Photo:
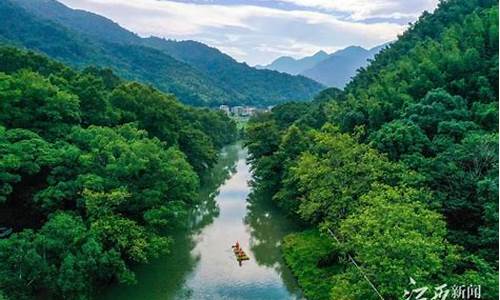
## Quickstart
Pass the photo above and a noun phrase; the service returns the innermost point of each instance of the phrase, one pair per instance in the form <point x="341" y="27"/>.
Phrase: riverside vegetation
<point x="93" y="171"/>
<point x="401" y="166"/>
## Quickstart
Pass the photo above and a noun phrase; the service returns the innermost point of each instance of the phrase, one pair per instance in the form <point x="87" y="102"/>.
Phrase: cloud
<point x="251" y="33"/>
<point x="367" y="9"/>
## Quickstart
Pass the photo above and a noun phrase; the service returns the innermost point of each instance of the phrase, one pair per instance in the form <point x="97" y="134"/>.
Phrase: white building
<point x="225" y="109"/>
<point x="249" y="111"/>
<point x="237" y="110"/>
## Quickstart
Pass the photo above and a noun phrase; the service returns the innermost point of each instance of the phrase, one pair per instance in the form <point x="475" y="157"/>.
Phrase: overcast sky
<point x="258" y="31"/>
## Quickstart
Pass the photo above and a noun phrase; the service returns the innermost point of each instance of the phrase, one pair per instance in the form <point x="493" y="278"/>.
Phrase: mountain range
<point x="294" y="66"/>
<point x="196" y="73"/>
<point x="332" y="70"/>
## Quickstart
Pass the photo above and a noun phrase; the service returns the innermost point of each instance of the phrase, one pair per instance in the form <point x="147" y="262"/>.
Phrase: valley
<point x="142" y="157"/>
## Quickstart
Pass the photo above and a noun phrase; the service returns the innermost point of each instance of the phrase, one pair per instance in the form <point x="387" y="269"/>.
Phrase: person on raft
<point x="238" y="251"/>
<point x="237" y="246"/>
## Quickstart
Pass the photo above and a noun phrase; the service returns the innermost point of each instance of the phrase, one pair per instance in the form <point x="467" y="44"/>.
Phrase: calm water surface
<point x="201" y="264"/>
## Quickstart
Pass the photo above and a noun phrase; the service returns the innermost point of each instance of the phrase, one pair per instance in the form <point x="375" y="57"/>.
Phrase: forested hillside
<point x="195" y="73"/>
<point x="94" y="170"/>
<point x="23" y="29"/>
<point x="401" y="167"/>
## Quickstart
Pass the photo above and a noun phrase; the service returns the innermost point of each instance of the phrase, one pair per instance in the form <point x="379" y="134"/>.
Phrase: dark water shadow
<point x="268" y="225"/>
<point x="164" y="278"/>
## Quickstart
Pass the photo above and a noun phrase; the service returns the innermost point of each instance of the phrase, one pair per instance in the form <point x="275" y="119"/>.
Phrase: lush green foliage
<point x="302" y="252"/>
<point x="392" y="227"/>
<point x="93" y="171"/>
<point x="195" y="73"/>
<point x="402" y="166"/>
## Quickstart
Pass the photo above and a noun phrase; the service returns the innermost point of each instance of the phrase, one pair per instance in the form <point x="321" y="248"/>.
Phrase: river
<point x="201" y="264"/>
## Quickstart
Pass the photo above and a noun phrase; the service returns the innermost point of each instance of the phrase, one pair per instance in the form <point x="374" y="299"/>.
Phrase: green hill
<point x="401" y="167"/>
<point x="194" y="72"/>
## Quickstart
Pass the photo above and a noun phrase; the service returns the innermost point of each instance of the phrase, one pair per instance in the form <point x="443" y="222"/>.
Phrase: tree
<point x="198" y="148"/>
<point x="470" y="183"/>
<point x="31" y="102"/>
<point x="92" y="93"/>
<point x="393" y="237"/>
<point x="399" y="138"/>
<point x="336" y="171"/>
<point x="155" y="112"/>
<point x="421" y="117"/>
<point x="23" y="270"/>
<point x="86" y="200"/>
<point x="293" y="144"/>
<point x="437" y="106"/>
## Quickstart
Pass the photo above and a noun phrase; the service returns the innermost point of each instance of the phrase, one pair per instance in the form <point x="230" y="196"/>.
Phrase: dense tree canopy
<point x="93" y="171"/>
<point x="402" y="166"/>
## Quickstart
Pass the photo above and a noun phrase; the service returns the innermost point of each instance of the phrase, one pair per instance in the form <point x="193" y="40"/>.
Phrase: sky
<point x="259" y="31"/>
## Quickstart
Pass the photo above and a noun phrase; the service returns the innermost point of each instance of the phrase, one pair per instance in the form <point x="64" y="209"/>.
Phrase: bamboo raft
<point x="240" y="254"/>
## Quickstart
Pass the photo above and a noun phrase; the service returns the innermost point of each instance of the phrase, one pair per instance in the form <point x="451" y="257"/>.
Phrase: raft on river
<point x="239" y="253"/>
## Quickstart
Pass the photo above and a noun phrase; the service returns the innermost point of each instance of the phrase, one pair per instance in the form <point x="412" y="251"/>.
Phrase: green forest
<point x="195" y="73"/>
<point x="399" y="171"/>
<point x="94" y="172"/>
<point x="112" y="157"/>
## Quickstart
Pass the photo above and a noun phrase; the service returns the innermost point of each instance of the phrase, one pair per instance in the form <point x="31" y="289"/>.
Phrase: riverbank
<point x="201" y="264"/>
<point x="307" y="254"/>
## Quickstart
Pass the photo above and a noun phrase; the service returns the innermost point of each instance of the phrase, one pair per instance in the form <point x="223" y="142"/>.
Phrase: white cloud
<point x="247" y="32"/>
<point x="365" y="9"/>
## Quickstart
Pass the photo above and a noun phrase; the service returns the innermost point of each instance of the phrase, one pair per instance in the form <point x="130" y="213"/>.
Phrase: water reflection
<point x="164" y="278"/>
<point x="202" y="265"/>
<point x="268" y="225"/>
<point x="211" y="181"/>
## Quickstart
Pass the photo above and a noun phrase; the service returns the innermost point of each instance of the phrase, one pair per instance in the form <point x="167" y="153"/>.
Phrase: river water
<point x="201" y="264"/>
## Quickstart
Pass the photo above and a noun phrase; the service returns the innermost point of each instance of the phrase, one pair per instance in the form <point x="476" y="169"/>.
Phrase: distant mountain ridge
<point x="294" y="66"/>
<point x="332" y="70"/>
<point x="196" y="73"/>
<point x="338" y="69"/>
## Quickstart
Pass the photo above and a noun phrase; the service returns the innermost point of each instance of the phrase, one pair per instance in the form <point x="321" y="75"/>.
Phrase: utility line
<point x="357" y="266"/>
